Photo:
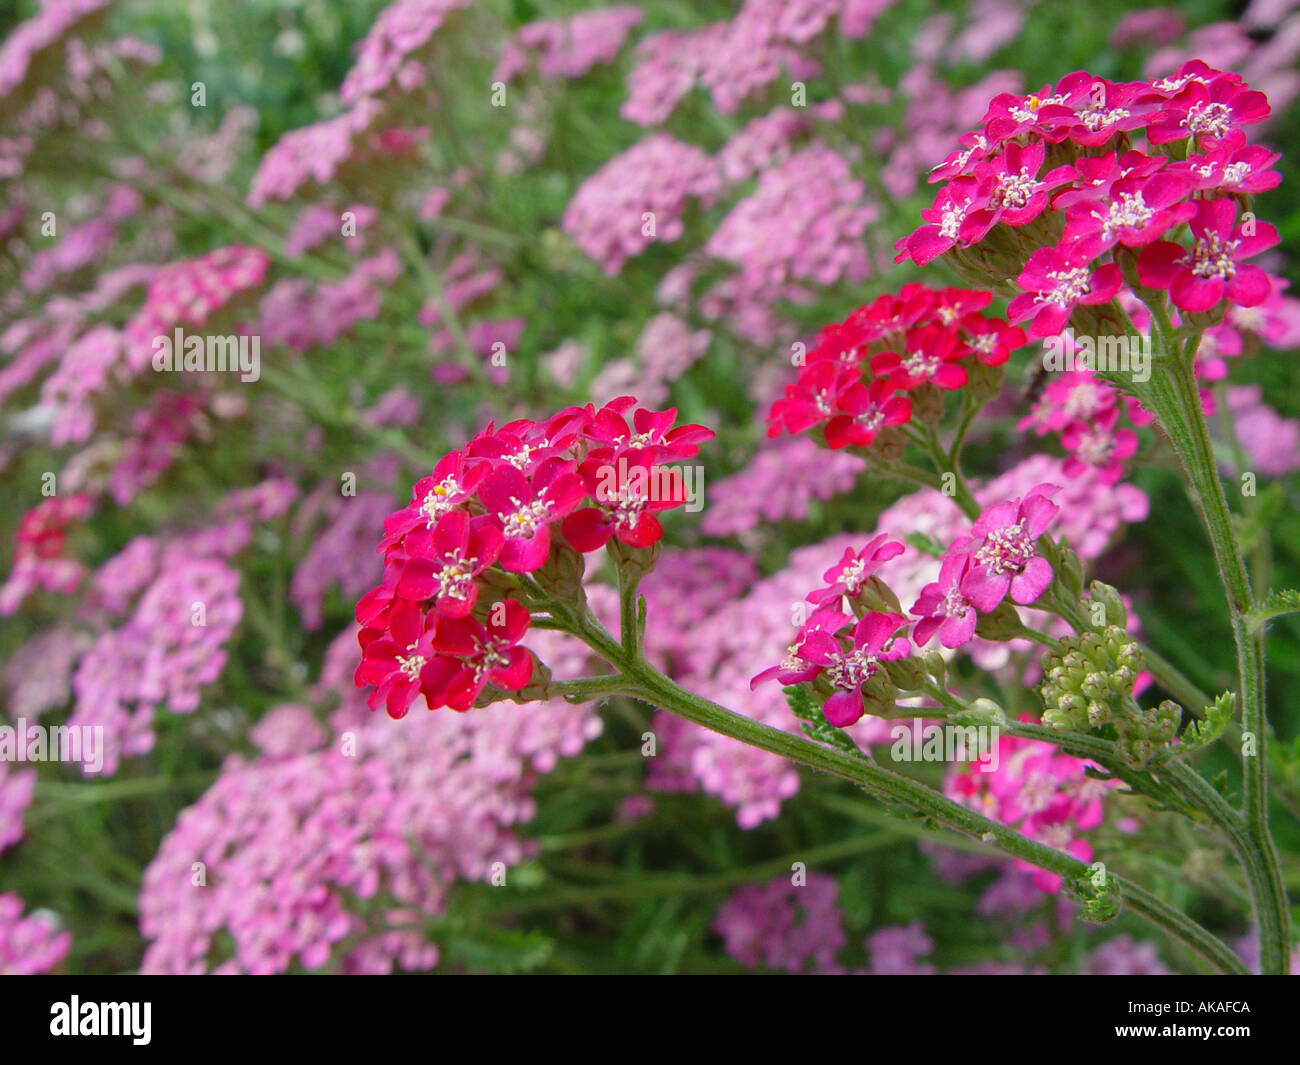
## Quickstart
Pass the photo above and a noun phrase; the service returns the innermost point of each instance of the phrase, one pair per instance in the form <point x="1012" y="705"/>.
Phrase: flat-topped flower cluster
<point x="1074" y="190"/>
<point x="857" y="379"/>
<point x="441" y="624"/>
<point x="842" y="652"/>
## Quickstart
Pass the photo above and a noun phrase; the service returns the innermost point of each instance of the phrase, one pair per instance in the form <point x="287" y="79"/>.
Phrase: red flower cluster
<point x="435" y="626"/>
<point x="39" y="562"/>
<point x="42" y="532"/>
<point x="1107" y="192"/>
<point x="857" y="376"/>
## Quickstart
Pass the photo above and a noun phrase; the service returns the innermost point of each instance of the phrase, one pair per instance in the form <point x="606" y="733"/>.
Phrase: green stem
<point x="1174" y="398"/>
<point x="891" y="787"/>
<point x="647" y="683"/>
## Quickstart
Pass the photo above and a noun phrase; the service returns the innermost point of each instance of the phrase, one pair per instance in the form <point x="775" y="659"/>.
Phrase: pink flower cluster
<point x="1096" y="422"/>
<point x="190" y="293"/>
<point x="29" y="945"/>
<point x="1073" y="223"/>
<point x="301" y="315"/>
<point x="665" y="349"/>
<point x="922" y="336"/>
<point x="763" y="143"/>
<point x="897" y="950"/>
<point x="1271" y="443"/>
<point x="315" y="154"/>
<point x="392" y="57"/>
<point x="496" y="502"/>
<point x="158" y="432"/>
<point x="1044" y="794"/>
<point x="313" y="854"/>
<point x="780" y="483"/>
<point x="17" y="786"/>
<point x="802" y="225"/>
<point x="339" y="530"/>
<point x="171" y="646"/>
<point x="735" y="60"/>
<point x="86" y="369"/>
<point x="320" y="223"/>
<point x="37" y="676"/>
<point x="998" y="559"/>
<point x="638" y="198"/>
<point x="1085" y="410"/>
<point x="784" y="927"/>
<point x="47" y="29"/>
<point x="568" y="48"/>
<point x="712" y="626"/>
<point x="160" y="613"/>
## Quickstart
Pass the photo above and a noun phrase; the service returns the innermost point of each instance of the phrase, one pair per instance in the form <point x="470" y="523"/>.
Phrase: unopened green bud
<point x="1121" y="680"/>
<point x="907" y="673"/>
<point x="562" y="573"/>
<point x="636" y="560"/>
<point x="984" y="382"/>
<point x="1074" y="705"/>
<point x="1095" y="686"/>
<point x="936" y="666"/>
<point x="984" y="711"/>
<point x="927" y="405"/>
<point x="1070" y="572"/>
<point x="889" y="445"/>
<point x="1130" y="657"/>
<point x="1116" y="614"/>
<point x="878" y="596"/>
<point x="1003" y="624"/>
<point x="1055" y="718"/>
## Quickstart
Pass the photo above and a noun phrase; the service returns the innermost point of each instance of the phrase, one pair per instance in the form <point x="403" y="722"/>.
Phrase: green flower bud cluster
<point x="1089" y="683"/>
<point x="1089" y="679"/>
<point x="1144" y="735"/>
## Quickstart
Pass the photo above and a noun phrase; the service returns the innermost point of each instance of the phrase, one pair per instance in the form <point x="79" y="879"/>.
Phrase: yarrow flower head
<point x="863" y="375"/>
<point x="1060" y="190"/>
<point x="849" y="668"/>
<point x="854" y="569"/>
<point x="191" y="292"/>
<point x="503" y="515"/>
<point x="1054" y="282"/>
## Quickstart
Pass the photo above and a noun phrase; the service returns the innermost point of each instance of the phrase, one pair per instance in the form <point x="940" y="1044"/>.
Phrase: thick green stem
<point x="647" y="683"/>
<point x="890" y="787"/>
<point x="1173" y="396"/>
